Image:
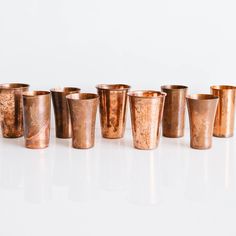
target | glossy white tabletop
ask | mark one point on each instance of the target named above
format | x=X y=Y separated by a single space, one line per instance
x=114 y=189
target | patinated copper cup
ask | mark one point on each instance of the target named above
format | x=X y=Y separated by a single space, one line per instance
x=224 y=120
x=202 y=110
x=61 y=111
x=113 y=100
x=83 y=110
x=37 y=111
x=146 y=108
x=11 y=109
x=174 y=110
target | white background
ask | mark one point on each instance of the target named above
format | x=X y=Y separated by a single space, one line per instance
x=113 y=189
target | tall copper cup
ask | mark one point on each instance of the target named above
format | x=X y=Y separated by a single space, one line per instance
x=83 y=110
x=113 y=100
x=174 y=110
x=202 y=110
x=11 y=109
x=224 y=120
x=61 y=111
x=146 y=108
x=37 y=111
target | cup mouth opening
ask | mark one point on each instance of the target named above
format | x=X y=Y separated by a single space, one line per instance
x=151 y=94
x=13 y=86
x=82 y=96
x=35 y=93
x=114 y=87
x=202 y=97
x=65 y=90
x=173 y=87
x=223 y=87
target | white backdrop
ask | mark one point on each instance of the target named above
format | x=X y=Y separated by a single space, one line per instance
x=146 y=44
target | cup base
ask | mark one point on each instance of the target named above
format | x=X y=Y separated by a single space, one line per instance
x=223 y=135
x=200 y=148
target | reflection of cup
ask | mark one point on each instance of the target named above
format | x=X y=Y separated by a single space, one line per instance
x=37 y=113
x=11 y=109
x=146 y=108
x=202 y=110
x=61 y=111
x=112 y=107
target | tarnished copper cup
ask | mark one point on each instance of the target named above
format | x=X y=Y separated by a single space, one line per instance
x=146 y=108
x=37 y=112
x=83 y=110
x=11 y=109
x=61 y=111
x=113 y=100
x=174 y=110
x=201 y=110
x=224 y=120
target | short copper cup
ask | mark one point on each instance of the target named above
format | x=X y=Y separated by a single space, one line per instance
x=224 y=120
x=202 y=110
x=11 y=109
x=37 y=111
x=83 y=110
x=146 y=108
x=174 y=110
x=61 y=111
x=113 y=106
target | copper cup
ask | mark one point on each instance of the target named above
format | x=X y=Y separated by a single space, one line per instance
x=11 y=109
x=202 y=110
x=83 y=110
x=61 y=111
x=37 y=111
x=146 y=108
x=174 y=110
x=224 y=120
x=113 y=100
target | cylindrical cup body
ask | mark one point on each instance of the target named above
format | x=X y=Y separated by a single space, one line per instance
x=113 y=106
x=37 y=111
x=146 y=109
x=11 y=109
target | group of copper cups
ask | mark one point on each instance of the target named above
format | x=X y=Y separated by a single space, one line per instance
x=27 y=113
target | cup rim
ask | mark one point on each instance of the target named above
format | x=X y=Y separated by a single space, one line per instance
x=174 y=87
x=113 y=87
x=77 y=96
x=139 y=94
x=201 y=97
x=223 y=87
x=35 y=93
x=13 y=86
x=66 y=89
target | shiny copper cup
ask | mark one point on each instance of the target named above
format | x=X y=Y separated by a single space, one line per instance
x=37 y=112
x=224 y=120
x=61 y=111
x=11 y=109
x=174 y=110
x=83 y=110
x=146 y=108
x=202 y=110
x=113 y=106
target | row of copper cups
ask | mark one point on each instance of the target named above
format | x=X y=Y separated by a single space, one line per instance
x=28 y=113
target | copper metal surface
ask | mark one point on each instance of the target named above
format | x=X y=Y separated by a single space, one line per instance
x=202 y=110
x=37 y=111
x=83 y=110
x=113 y=100
x=146 y=108
x=224 y=120
x=11 y=109
x=61 y=111
x=174 y=110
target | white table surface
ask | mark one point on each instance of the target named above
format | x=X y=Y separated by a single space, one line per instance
x=114 y=189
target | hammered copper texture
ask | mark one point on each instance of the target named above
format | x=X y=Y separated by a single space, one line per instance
x=202 y=110
x=61 y=111
x=11 y=109
x=146 y=108
x=37 y=111
x=113 y=106
x=174 y=110
x=83 y=110
x=224 y=120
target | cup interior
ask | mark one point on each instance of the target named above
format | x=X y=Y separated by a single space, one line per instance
x=113 y=86
x=65 y=90
x=82 y=96
x=35 y=93
x=223 y=87
x=146 y=94
x=202 y=97
x=174 y=87
x=13 y=86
